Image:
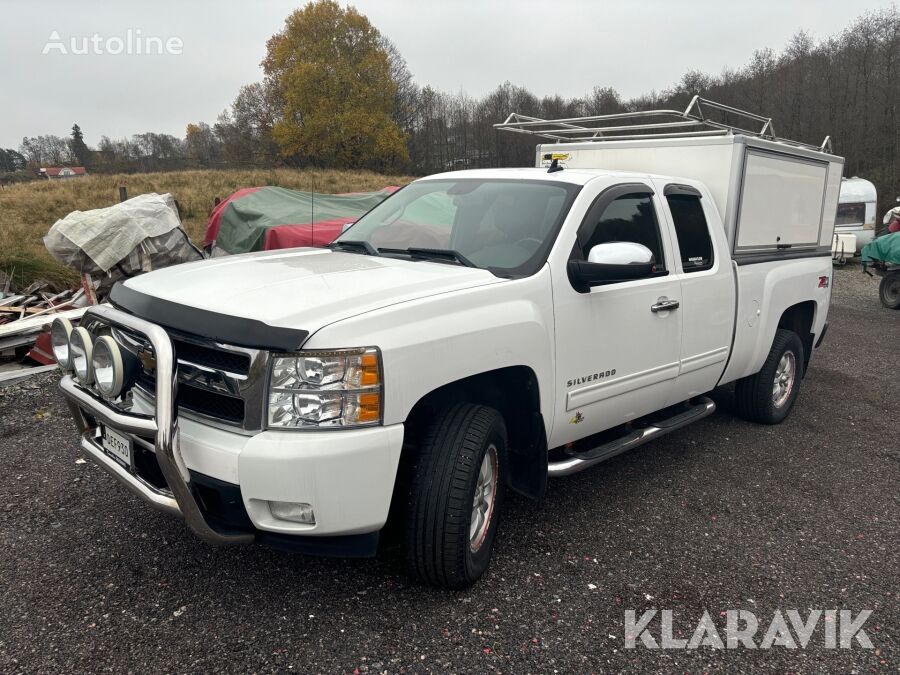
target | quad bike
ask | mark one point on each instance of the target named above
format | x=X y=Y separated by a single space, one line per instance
x=883 y=256
x=889 y=289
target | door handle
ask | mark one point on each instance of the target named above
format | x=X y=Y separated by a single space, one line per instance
x=664 y=305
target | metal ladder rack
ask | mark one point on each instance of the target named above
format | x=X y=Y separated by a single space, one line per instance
x=691 y=122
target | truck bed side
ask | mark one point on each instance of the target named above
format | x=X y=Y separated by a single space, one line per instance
x=793 y=293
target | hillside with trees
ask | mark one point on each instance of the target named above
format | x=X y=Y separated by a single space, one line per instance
x=338 y=94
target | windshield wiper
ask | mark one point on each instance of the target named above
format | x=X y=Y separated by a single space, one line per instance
x=439 y=254
x=353 y=246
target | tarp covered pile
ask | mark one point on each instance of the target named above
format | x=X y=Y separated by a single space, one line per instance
x=885 y=248
x=123 y=240
x=267 y=218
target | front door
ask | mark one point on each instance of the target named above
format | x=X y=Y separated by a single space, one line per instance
x=617 y=350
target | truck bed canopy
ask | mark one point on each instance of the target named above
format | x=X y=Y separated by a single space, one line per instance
x=773 y=194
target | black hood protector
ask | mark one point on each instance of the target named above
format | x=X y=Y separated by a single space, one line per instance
x=224 y=328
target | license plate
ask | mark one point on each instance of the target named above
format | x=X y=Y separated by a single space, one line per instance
x=117 y=445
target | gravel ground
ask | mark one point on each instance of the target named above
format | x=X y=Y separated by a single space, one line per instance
x=721 y=515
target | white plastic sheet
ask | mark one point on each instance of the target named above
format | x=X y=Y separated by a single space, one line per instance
x=121 y=241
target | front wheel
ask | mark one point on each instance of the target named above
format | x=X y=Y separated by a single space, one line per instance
x=768 y=396
x=889 y=290
x=457 y=491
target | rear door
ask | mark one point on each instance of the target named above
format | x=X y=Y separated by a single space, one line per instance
x=707 y=287
x=617 y=355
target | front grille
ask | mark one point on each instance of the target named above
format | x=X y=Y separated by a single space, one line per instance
x=210 y=403
x=202 y=401
x=209 y=357
x=219 y=382
x=222 y=383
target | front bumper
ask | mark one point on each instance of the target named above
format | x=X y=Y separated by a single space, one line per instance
x=346 y=475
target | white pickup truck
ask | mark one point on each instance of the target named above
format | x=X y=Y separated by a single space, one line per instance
x=476 y=331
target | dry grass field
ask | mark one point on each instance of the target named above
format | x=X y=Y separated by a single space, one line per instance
x=28 y=210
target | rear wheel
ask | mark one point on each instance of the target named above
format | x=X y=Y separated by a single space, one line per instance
x=768 y=396
x=456 y=495
x=889 y=290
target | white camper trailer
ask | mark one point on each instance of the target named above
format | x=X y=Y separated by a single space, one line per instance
x=854 y=226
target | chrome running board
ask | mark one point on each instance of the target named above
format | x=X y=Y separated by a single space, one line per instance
x=697 y=409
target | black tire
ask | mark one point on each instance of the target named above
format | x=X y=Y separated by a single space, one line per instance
x=889 y=290
x=754 y=396
x=440 y=551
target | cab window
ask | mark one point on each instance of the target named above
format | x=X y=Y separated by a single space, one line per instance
x=694 y=243
x=630 y=217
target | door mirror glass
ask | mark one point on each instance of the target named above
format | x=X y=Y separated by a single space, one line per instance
x=610 y=263
x=620 y=253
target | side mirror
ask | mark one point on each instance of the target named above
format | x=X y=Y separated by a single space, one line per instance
x=611 y=262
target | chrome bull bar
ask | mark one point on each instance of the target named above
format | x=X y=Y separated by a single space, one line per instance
x=162 y=427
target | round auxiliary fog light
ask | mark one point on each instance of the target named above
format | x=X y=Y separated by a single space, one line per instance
x=108 y=367
x=81 y=348
x=60 y=332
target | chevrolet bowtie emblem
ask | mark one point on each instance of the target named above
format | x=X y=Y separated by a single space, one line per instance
x=147 y=359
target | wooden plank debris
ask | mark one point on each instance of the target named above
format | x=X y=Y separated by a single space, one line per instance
x=35 y=324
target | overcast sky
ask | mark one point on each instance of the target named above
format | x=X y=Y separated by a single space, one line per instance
x=553 y=46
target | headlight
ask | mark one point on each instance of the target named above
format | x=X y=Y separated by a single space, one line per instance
x=60 y=332
x=81 y=348
x=314 y=389
x=108 y=367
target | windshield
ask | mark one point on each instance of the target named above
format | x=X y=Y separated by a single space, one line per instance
x=505 y=226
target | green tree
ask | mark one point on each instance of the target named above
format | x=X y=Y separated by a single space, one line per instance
x=78 y=147
x=332 y=79
x=200 y=145
x=11 y=161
